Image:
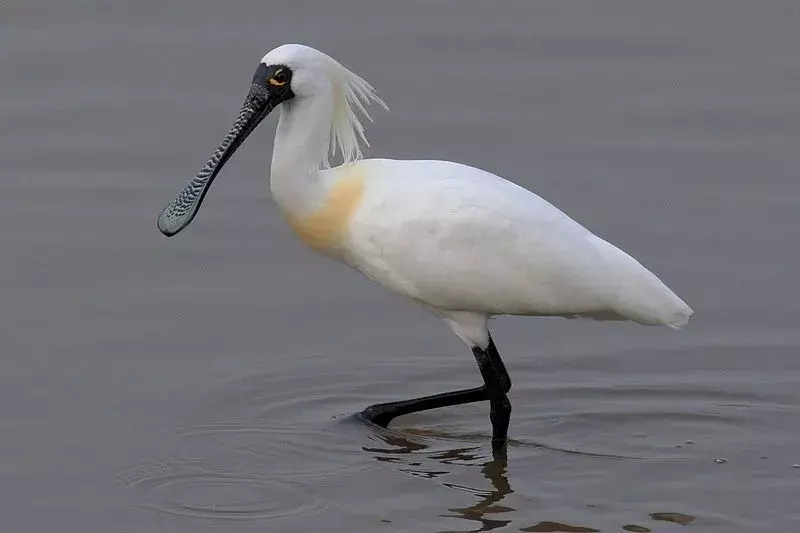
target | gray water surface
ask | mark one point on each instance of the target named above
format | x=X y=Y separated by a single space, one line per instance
x=206 y=383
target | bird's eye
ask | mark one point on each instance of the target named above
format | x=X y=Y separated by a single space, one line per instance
x=279 y=78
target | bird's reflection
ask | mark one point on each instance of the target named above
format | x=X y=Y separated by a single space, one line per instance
x=489 y=504
x=494 y=470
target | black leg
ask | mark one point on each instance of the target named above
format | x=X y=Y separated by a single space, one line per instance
x=499 y=367
x=499 y=406
x=496 y=383
x=383 y=413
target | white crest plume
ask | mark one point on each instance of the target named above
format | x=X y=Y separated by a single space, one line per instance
x=352 y=94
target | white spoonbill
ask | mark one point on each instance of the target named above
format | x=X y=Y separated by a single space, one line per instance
x=462 y=242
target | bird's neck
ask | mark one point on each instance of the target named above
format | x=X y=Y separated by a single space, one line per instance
x=300 y=149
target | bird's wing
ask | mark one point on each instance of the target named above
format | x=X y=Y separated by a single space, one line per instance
x=455 y=237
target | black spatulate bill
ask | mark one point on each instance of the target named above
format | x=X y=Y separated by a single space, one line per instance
x=180 y=211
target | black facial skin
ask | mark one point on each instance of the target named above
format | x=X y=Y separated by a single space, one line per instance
x=276 y=78
x=271 y=86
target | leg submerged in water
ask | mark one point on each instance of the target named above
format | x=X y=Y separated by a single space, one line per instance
x=496 y=383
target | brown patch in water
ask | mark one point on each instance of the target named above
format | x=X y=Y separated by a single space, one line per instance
x=675 y=518
x=557 y=527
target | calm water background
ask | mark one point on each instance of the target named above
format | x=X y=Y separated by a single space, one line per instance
x=204 y=383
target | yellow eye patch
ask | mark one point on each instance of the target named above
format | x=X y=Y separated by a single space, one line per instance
x=279 y=78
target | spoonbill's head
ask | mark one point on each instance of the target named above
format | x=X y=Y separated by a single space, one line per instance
x=301 y=70
x=288 y=74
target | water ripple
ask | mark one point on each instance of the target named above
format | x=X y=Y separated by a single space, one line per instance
x=206 y=492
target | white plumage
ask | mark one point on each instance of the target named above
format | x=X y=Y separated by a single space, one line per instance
x=458 y=238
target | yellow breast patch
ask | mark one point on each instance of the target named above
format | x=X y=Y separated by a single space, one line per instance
x=324 y=228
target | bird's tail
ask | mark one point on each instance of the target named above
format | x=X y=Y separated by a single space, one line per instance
x=639 y=295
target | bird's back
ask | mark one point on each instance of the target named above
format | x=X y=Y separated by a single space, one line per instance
x=454 y=237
